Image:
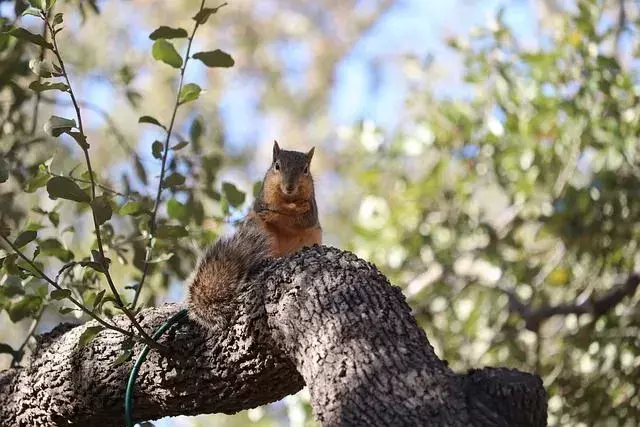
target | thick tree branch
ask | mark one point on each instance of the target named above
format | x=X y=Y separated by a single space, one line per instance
x=322 y=317
x=596 y=306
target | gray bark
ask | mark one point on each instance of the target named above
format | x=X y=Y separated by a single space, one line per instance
x=322 y=317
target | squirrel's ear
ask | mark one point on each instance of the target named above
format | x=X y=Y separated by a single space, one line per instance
x=310 y=154
x=276 y=150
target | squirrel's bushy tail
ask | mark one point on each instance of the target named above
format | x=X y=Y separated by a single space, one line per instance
x=212 y=287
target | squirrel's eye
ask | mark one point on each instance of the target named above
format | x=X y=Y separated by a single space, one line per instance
x=277 y=166
x=306 y=170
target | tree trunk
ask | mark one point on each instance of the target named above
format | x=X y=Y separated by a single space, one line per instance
x=323 y=318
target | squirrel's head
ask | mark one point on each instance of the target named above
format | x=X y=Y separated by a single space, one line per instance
x=290 y=173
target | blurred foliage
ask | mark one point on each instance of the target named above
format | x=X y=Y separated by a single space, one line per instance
x=529 y=187
x=525 y=188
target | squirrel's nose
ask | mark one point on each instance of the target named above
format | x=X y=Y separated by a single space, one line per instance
x=289 y=188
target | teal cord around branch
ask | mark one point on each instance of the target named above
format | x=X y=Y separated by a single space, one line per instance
x=128 y=397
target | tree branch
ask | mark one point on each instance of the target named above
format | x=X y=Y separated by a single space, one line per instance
x=596 y=306
x=322 y=317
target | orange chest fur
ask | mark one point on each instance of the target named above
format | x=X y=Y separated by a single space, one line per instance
x=286 y=236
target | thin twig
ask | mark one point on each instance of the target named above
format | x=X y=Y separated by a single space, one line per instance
x=102 y=260
x=165 y=154
x=32 y=328
x=36 y=104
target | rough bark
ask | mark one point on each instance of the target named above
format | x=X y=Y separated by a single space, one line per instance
x=322 y=317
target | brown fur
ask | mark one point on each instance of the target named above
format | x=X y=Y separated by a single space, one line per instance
x=290 y=219
x=283 y=220
x=213 y=284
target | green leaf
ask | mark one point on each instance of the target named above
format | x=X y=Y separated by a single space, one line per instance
x=164 y=51
x=156 y=149
x=173 y=180
x=151 y=120
x=123 y=357
x=130 y=208
x=215 y=59
x=54 y=217
x=88 y=335
x=171 y=231
x=59 y=294
x=33 y=226
x=64 y=188
x=40 y=180
x=6 y=349
x=56 y=126
x=180 y=145
x=177 y=210
x=204 y=14
x=31 y=11
x=161 y=258
x=44 y=68
x=164 y=32
x=101 y=209
x=23 y=34
x=53 y=247
x=97 y=300
x=58 y=19
x=234 y=196
x=43 y=86
x=38 y=4
x=4 y=170
x=27 y=306
x=65 y=310
x=190 y=92
x=24 y=238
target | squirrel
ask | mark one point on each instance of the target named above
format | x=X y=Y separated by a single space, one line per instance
x=282 y=220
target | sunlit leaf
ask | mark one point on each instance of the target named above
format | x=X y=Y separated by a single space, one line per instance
x=189 y=92
x=164 y=51
x=177 y=210
x=130 y=208
x=89 y=335
x=56 y=126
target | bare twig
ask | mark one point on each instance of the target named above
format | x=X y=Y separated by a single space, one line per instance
x=165 y=154
x=36 y=103
x=596 y=306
